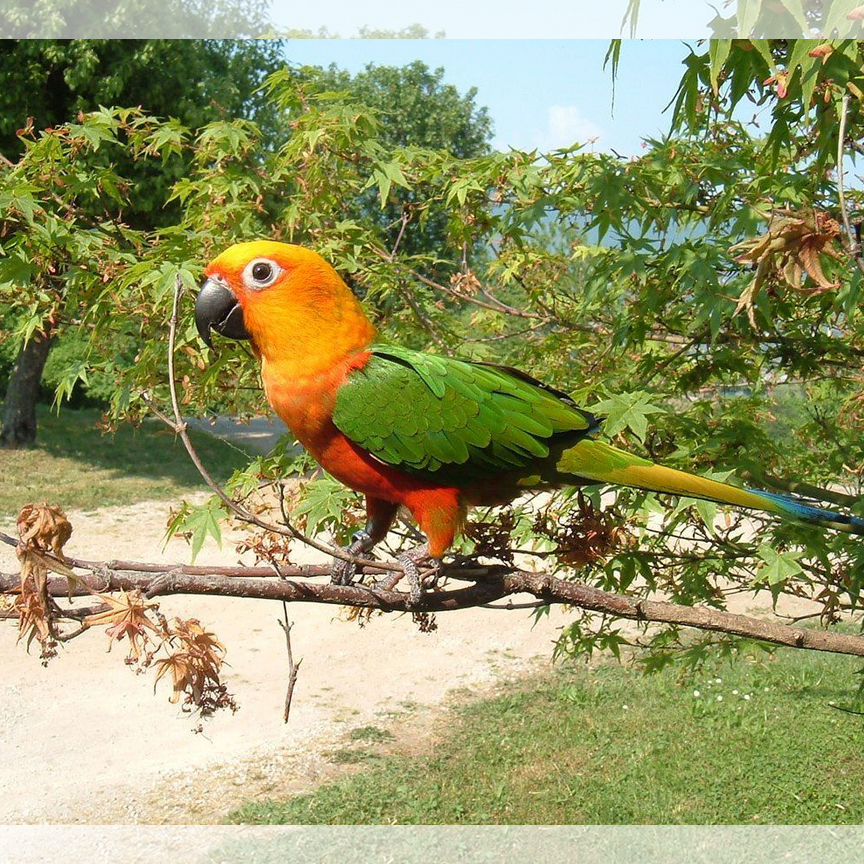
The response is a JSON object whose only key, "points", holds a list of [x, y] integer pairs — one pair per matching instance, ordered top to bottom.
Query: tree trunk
{"points": [[19, 413]]}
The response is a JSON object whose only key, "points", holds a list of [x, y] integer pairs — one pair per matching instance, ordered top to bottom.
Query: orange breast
{"points": [[306, 405]]}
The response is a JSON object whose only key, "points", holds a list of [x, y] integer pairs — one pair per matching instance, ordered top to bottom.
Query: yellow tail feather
{"points": [[594, 460]]}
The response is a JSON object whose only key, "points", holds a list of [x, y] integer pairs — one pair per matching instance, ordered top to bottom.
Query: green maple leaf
{"points": [[627, 411], [779, 568]]}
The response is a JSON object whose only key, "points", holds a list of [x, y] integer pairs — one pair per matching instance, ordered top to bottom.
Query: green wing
{"points": [[427, 413]]}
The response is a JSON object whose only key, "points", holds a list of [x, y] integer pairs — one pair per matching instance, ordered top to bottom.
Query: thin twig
{"points": [[406, 218], [852, 243], [496, 306], [425, 321], [502, 337], [667, 361], [509, 606], [68, 637], [293, 668], [846, 710]]}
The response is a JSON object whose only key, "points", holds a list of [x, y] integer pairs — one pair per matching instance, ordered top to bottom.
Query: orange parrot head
{"points": [[285, 299]]}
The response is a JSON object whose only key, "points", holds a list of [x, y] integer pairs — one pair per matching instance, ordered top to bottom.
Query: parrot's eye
{"points": [[261, 273]]}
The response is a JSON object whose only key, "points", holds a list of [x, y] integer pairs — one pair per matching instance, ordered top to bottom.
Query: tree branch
{"points": [[495, 306], [490, 583]]}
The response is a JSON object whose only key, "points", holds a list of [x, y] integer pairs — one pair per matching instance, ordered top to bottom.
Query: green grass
{"points": [[76, 466], [372, 734], [608, 745], [352, 757]]}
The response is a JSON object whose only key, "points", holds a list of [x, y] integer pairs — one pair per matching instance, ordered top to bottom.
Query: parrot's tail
{"points": [[594, 460]]}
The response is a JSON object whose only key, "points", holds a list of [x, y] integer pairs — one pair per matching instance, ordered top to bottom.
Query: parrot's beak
{"points": [[217, 309]]}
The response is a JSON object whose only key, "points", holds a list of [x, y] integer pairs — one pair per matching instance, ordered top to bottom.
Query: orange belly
{"points": [[306, 406]]}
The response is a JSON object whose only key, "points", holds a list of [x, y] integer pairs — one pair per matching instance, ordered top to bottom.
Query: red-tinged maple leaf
{"points": [[823, 51], [42, 528], [128, 616], [194, 668]]}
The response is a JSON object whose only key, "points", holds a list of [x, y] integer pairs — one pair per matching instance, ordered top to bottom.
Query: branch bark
{"points": [[852, 244], [480, 586]]}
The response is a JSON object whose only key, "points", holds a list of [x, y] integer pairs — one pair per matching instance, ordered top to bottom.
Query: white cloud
{"points": [[566, 125]]}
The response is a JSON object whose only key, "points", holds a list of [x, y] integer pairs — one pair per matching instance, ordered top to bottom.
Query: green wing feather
{"points": [[427, 413], [471, 420]]}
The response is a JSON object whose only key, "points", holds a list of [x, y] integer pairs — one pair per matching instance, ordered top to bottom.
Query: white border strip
{"points": [[552, 19], [451, 844]]}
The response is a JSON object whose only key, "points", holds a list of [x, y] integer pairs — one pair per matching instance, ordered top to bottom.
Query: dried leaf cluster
{"points": [[787, 252], [465, 283], [43, 531], [589, 536], [493, 538], [267, 546], [182, 651], [192, 657], [194, 666]]}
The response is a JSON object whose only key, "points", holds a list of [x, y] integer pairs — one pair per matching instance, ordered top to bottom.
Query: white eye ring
{"points": [[261, 273]]}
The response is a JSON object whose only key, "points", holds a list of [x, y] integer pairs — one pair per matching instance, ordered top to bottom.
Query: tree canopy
{"points": [[46, 83], [191, 83], [416, 107]]}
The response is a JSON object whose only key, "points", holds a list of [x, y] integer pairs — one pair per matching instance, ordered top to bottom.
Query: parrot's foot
{"points": [[410, 562], [343, 572]]}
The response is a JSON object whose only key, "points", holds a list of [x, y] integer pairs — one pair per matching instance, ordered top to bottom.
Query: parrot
{"points": [[432, 434]]}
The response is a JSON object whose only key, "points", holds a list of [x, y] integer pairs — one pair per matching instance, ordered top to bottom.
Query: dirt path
{"points": [[260, 434], [86, 740]]}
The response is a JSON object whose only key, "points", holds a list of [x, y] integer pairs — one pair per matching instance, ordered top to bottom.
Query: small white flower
{"points": [[718, 680], [734, 692], [696, 694], [719, 697], [746, 697], [626, 707]]}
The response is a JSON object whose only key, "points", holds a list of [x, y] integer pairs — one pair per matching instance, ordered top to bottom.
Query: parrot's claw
{"points": [[410, 562], [343, 572], [412, 573], [389, 582]]}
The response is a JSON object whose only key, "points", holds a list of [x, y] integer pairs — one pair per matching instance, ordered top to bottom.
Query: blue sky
{"points": [[540, 93]]}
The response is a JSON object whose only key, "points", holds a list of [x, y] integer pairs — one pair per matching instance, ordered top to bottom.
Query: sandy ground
{"points": [[85, 740]]}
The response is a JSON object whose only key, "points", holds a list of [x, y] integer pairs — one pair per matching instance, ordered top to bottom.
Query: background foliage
{"points": [[702, 296]]}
